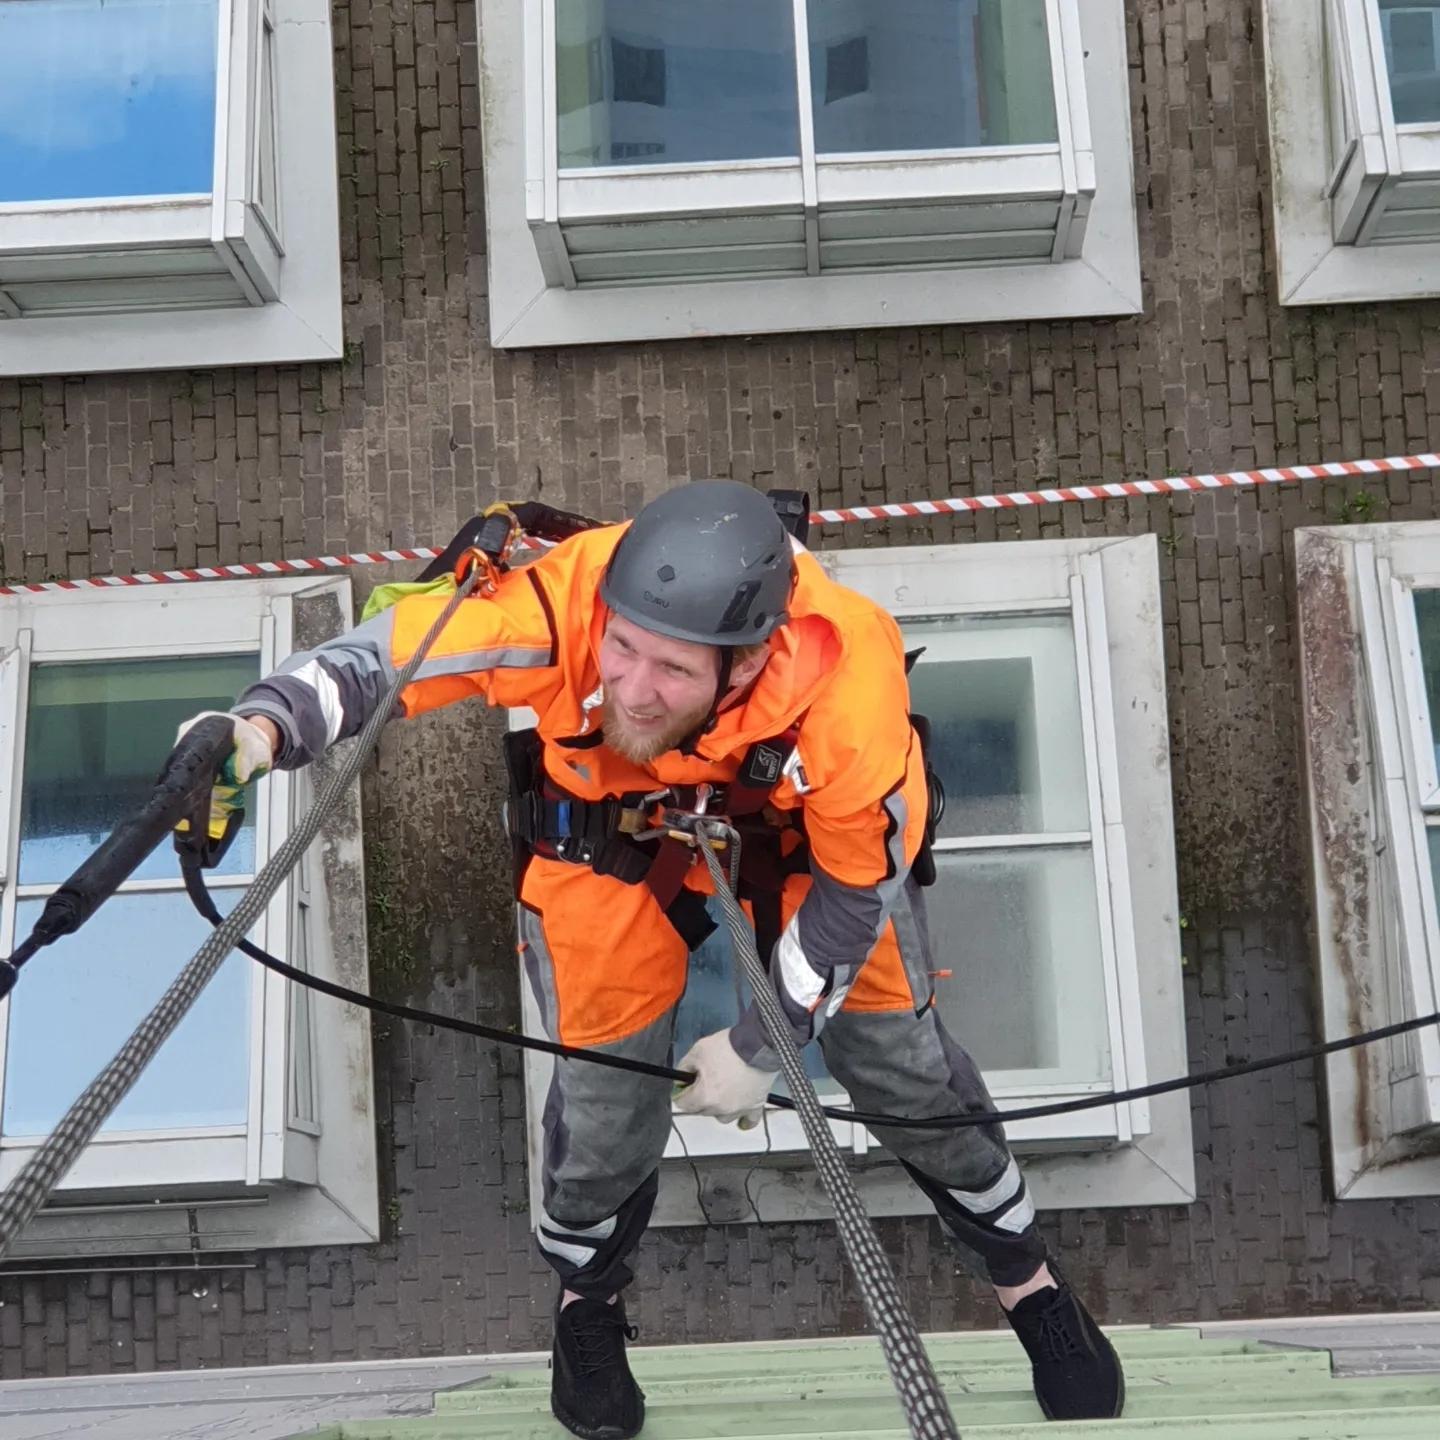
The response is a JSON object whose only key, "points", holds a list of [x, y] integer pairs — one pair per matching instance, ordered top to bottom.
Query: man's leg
{"points": [[612, 985], [899, 1064], [605, 1131]]}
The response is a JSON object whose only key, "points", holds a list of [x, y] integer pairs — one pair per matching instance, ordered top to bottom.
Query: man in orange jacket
{"points": [[698, 657]]}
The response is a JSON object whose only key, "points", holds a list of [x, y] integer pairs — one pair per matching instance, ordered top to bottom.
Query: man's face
{"points": [[657, 690]]}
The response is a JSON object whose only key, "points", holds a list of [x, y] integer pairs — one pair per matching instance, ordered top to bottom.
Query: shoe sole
{"points": [[1113, 1415], [596, 1432]]}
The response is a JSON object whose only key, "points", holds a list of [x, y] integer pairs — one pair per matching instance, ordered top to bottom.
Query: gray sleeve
{"points": [[320, 696], [821, 950]]}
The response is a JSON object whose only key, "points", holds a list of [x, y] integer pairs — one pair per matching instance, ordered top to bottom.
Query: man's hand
{"points": [[251, 755], [724, 1085]]}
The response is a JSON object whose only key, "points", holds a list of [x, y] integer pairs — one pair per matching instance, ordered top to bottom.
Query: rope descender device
{"points": [[491, 549]]}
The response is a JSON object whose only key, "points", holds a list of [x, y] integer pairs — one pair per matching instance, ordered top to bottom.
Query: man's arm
{"points": [[502, 646], [865, 820], [831, 935]]}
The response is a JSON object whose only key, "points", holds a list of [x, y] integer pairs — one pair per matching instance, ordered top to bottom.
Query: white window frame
{"points": [[812, 186], [1329, 193], [289, 301], [527, 309], [1373, 796], [1137, 1153], [292, 1173]]}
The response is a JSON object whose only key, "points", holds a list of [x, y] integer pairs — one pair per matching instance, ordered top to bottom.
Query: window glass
{"points": [[1411, 30], [930, 74], [674, 81], [106, 98], [266, 139], [1427, 623], [1003, 700], [96, 734], [1019, 933], [714, 995], [80, 999], [302, 1057]]}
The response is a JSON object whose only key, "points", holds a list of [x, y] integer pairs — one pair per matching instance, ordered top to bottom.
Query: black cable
{"points": [[195, 886], [205, 904]]}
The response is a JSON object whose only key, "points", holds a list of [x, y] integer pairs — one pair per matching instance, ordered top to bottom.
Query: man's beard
{"points": [[641, 747]]}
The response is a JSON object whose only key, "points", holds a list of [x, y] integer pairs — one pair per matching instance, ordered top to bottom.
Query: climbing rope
{"points": [[926, 1408]]}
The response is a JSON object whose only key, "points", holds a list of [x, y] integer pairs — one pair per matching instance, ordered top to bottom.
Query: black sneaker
{"points": [[1075, 1369], [592, 1392]]}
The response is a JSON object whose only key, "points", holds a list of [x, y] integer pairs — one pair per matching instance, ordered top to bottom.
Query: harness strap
{"points": [[544, 819]]}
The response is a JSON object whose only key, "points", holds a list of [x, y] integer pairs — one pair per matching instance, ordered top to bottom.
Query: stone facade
{"points": [[423, 423]]}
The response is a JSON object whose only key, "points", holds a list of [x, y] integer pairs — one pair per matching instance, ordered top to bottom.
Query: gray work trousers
{"points": [[605, 1132]]}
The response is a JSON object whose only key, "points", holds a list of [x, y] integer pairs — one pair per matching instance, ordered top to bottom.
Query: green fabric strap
{"points": [[382, 597]]}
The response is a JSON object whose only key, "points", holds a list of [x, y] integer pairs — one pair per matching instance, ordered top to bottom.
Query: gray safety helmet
{"points": [[708, 562]]}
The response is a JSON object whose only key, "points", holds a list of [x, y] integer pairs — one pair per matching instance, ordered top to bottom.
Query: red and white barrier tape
{"points": [[905, 509]]}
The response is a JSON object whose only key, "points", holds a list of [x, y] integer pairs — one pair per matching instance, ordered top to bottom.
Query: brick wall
{"points": [[423, 424]]}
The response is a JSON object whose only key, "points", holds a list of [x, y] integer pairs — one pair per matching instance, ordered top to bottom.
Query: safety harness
{"points": [[650, 837]]}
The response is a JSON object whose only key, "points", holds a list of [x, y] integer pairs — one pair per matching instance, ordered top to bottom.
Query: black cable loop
{"points": [[195, 885]]}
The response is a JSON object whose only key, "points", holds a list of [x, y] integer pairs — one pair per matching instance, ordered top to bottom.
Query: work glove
{"points": [[250, 757], [724, 1085]]}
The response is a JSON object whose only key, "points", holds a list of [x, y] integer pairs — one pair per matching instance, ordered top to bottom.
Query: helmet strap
{"points": [[722, 689]]}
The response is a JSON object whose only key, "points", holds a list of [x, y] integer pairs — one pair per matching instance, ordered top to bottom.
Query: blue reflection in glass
{"points": [[1411, 30], [915, 75], [650, 82], [106, 98], [96, 734], [78, 1001], [710, 1002]]}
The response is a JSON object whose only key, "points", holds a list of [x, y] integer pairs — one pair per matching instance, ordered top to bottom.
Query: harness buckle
{"points": [[634, 818], [686, 826], [574, 850]]}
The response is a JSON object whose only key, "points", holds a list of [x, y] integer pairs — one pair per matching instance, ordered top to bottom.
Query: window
{"points": [[1410, 30], [1385, 120], [149, 145], [856, 145], [955, 153], [1357, 158], [1370, 669], [1055, 867], [246, 1118]]}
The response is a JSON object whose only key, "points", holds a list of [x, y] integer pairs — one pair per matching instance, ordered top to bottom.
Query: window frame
{"points": [[815, 185], [1330, 194], [287, 302], [528, 310], [1370, 774], [1142, 1154], [282, 1173]]}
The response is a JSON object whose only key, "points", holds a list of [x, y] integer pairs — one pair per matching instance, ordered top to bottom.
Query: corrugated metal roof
{"points": [[1179, 1384]]}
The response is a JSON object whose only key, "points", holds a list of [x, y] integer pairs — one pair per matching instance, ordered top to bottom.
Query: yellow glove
{"points": [[249, 758]]}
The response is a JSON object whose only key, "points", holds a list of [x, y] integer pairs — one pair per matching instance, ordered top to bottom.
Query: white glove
{"points": [[252, 755], [724, 1085]]}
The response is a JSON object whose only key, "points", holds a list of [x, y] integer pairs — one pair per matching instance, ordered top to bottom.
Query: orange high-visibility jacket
{"points": [[836, 666]]}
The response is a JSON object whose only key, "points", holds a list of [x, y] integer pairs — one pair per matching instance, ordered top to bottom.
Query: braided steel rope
{"points": [[926, 1409]]}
